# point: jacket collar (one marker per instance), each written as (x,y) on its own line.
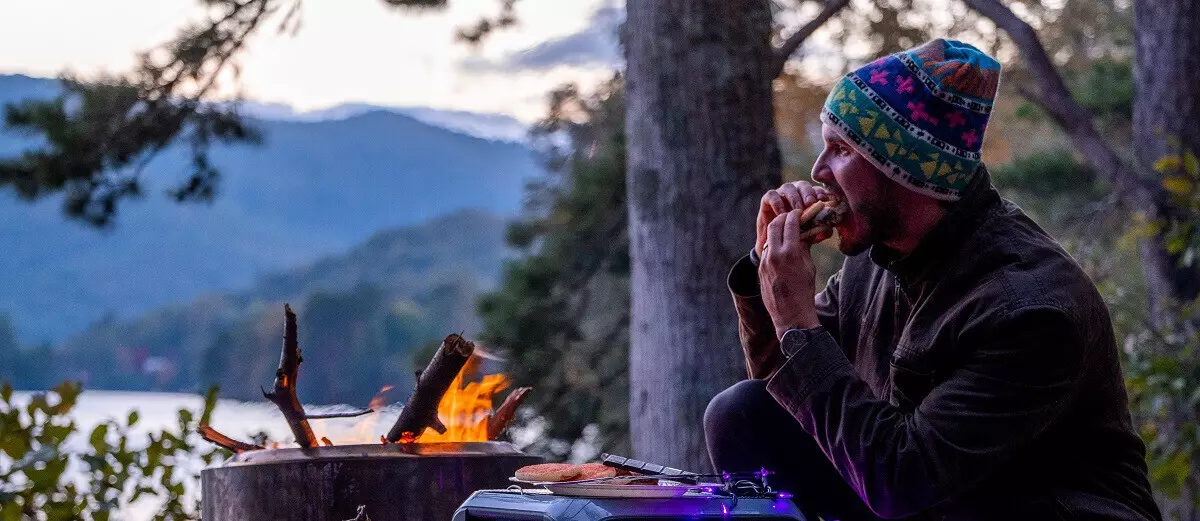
(947,237)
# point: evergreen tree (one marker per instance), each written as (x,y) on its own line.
(561,313)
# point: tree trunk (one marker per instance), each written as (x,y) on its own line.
(702,150)
(1166,119)
(1166,108)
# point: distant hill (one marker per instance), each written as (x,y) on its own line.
(488,126)
(313,189)
(362,315)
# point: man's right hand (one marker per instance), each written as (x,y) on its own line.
(790,196)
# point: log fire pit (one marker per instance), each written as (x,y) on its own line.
(414,481)
(443,446)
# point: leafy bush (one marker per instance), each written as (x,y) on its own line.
(44,477)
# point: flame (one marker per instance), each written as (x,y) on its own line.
(364,430)
(465,410)
(380,398)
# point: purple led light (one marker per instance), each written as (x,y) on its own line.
(724,509)
(785,495)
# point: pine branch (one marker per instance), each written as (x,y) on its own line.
(474,34)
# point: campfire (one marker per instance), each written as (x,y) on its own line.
(442,447)
(440,409)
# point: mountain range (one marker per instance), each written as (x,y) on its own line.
(364,316)
(316,187)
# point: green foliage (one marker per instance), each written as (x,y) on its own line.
(1066,197)
(1180,173)
(1052,185)
(561,314)
(354,342)
(39,449)
(1163,378)
(1163,370)
(362,313)
(1105,88)
(1092,44)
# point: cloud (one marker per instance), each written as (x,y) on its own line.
(594,46)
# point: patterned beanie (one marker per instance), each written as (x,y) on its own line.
(919,115)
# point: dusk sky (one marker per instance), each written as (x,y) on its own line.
(347,50)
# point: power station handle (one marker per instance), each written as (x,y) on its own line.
(642,467)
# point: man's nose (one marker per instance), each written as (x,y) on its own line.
(821,172)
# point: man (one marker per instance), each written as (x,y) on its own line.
(960,365)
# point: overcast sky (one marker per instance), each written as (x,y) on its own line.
(346,51)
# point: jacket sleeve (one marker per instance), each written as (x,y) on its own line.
(1020,373)
(755,329)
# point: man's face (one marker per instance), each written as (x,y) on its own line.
(873,216)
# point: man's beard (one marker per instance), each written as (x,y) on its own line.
(877,221)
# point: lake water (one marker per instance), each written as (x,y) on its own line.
(157,411)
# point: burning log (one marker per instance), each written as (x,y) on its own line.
(498,422)
(211,434)
(421,411)
(284,394)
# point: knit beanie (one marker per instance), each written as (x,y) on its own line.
(919,115)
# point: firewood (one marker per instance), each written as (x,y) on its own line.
(284,394)
(421,410)
(499,421)
(211,434)
(333,415)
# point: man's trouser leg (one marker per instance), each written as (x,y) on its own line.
(746,430)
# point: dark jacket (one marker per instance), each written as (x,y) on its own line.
(975,378)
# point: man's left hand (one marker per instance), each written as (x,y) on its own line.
(786,273)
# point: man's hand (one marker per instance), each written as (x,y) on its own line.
(791,196)
(786,274)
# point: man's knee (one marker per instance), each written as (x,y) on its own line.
(734,407)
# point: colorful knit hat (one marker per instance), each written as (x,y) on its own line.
(919,115)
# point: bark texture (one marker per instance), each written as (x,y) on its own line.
(284,393)
(421,411)
(1166,121)
(702,151)
(1166,108)
(212,436)
(504,415)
